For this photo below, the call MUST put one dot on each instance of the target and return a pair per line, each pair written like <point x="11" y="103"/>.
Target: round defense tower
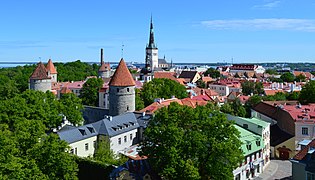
<point x="40" y="80"/>
<point x="121" y="91"/>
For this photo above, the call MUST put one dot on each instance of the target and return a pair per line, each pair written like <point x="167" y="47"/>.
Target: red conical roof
<point x="40" y="72"/>
<point x="122" y="76"/>
<point x="50" y="67"/>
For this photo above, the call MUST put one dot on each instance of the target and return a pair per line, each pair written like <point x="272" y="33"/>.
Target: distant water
<point x="7" y="64"/>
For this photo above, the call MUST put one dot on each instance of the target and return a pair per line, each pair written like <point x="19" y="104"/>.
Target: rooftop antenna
<point x="40" y="59"/>
<point x="122" y="50"/>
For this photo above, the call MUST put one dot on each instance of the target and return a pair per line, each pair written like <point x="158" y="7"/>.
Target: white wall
<point x="79" y="147"/>
<point x="298" y="131"/>
<point x="114" y="144"/>
<point x="222" y="90"/>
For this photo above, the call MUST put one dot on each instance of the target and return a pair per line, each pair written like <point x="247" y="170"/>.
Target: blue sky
<point x="185" y="31"/>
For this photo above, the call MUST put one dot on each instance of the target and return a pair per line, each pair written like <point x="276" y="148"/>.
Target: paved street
<point x="277" y="169"/>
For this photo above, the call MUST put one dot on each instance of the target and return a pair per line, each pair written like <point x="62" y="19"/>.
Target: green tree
<point x="271" y="71"/>
<point x="186" y="143"/>
<point x="105" y="155"/>
<point x="8" y="88"/>
<point x="71" y="106"/>
<point x="249" y="87"/>
<point x="300" y="78"/>
<point x="307" y="94"/>
<point x="234" y="108"/>
<point x="162" y="88"/>
<point x="52" y="158"/>
<point x="139" y="101"/>
<point x="212" y="73"/>
<point x="287" y="77"/>
<point x="293" y="95"/>
<point x="201" y="84"/>
<point x="89" y="91"/>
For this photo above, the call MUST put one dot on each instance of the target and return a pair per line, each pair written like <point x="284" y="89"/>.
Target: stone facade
<point x="121" y="99"/>
<point x="40" y="84"/>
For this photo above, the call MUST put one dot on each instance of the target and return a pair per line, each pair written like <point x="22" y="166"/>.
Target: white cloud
<point x="306" y="25"/>
<point x="268" y="5"/>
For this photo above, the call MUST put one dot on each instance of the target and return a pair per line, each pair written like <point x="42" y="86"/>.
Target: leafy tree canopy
<point x="271" y="71"/>
<point x="212" y="73"/>
<point x="89" y="91"/>
<point x="234" y="108"/>
<point x="139" y="101"/>
<point x="307" y="94"/>
<point x="249" y="87"/>
<point x="287" y="77"/>
<point x="161" y="88"/>
<point x="186" y="143"/>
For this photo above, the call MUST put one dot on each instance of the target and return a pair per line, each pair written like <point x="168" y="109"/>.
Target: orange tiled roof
<point x="163" y="103"/>
<point x="65" y="90"/>
<point x="50" y="67"/>
<point x="122" y="76"/>
<point x="167" y="75"/>
<point x="272" y="92"/>
<point x="40" y="72"/>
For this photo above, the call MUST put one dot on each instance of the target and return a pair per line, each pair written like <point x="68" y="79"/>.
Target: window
<point x="127" y="108"/>
<point x="125" y="139"/>
<point x="76" y="151"/>
<point x="304" y="131"/>
<point x="127" y="89"/>
<point x="104" y="95"/>
<point x="117" y="89"/>
<point x="86" y="146"/>
<point x="72" y="151"/>
<point x="130" y="136"/>
<point x="119" y="140"/>
<point x="258" y="143"/>
<point x="245" y="126"/>
<point x="249" y="146"/>
<point x="94" y="144"/>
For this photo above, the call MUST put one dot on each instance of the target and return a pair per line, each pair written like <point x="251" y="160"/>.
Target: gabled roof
<point x="50" y="67"/>
<point x="40" y="72"/>
<point x="278" y="136"/>
<point x="110" y="126"/>
<point x="188" y="74"/>
<point x="65" y="90"/>
<point x="302" y="154"/>
<point x="122" y="76"/>
<point x="104" y="67"/>
<point x="167" y="75"/>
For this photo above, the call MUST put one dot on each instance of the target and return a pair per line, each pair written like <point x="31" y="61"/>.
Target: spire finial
<point x="122" y="50"/>
<point x="102" y="57"/>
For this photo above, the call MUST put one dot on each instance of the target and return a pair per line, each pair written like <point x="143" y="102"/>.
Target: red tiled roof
<point x="65" y="90"/>
<point x="167" y="75"/>
<point x="207" y="79"/>
<point x="122" y="76"/>
<point x="50" y="67"/>
<point x="187" y="102"/>
<point x="301" y="155"/>
<point x="104" y="67"/>
<point x="272" y="92"/>
<point x="40" y="72"/>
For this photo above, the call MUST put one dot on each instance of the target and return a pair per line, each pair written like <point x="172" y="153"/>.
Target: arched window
<point x="127" y="89"/>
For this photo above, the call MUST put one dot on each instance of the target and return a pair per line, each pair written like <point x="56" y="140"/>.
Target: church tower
<point x="152" y="50"/>
<point x="121" y="91"/>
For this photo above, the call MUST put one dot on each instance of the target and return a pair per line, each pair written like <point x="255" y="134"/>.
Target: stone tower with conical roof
<point x="152" y="50"/>
<point x="40" y="80"/>
<point x="51" y="70"/>
<point x="104" y="70"/>
<point x="121" y="91"/>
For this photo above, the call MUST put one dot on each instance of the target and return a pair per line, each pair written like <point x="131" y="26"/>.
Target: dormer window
<point x="258" y="143"/>
<point x="249" y="147"/>
<point x="82" y="131"/>
<point x="245" y="126"/>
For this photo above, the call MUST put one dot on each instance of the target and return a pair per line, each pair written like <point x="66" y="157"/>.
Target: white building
<point x="120" y="131"/>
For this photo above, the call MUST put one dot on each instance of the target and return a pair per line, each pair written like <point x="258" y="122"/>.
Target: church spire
<point x="151" y="38"/>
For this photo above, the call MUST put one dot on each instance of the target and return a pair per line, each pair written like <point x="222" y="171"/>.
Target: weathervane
<point x="122" y="50"/>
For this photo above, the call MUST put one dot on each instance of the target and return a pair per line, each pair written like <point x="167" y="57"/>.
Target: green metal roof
<point x="247" y="138"/>
<point x="257" y="121"/>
